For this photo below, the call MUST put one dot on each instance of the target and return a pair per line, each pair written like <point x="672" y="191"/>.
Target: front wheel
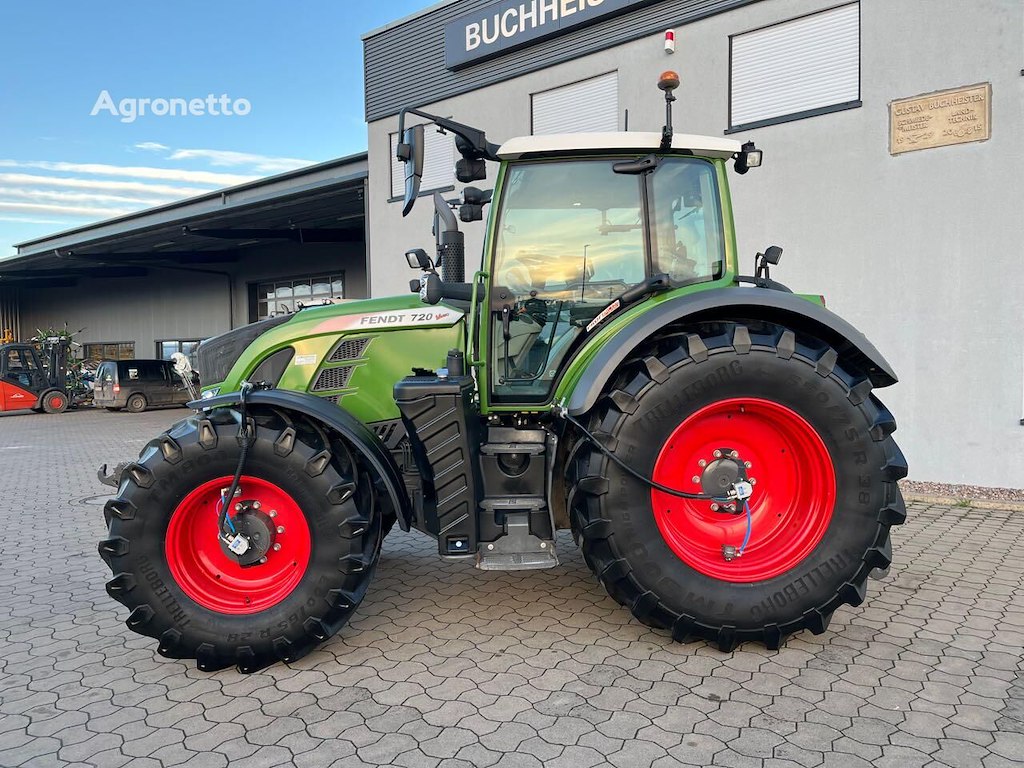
<point x="307" y="507"/>
<point x="55" y="402"/>
<point x="700" y="410"/>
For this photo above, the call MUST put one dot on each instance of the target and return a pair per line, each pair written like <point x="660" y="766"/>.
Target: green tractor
<point x="712" y="440"/>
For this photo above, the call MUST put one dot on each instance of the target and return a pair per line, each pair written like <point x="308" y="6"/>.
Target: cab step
<point x="518" y="549"/>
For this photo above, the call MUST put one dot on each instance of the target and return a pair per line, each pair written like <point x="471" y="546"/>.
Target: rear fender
<point x="732" y="303"/>
<point x="332" y="417"/>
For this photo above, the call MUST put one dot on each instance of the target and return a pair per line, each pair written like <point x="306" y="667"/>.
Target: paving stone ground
<point x="448" y="666"/>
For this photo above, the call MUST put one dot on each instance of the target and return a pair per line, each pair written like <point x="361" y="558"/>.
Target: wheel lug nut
<point x="238" y="507"/>
<point x="714" y="507"/>
<point x="263" y="560"/>
<point x="753" y="481"/>
<point x="735" y="454"/>
<point x="718" y="454"/>
<point x="747" y="464"/>
<point x="696" y="479"/>
<point x="256" y="505"/>
<point x="277" y="547"/>
<point x="702" y="463"/>
<point x="273" y="513"/>
<point x="280" y="529"/>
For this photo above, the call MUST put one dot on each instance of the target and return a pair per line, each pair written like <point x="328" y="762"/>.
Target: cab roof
<point x="619" y="141"/>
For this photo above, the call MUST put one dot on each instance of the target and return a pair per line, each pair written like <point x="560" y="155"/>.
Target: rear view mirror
<point x="410" y="152"/>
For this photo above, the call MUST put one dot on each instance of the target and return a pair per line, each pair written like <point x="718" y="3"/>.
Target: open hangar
<point x="159" y="281"/>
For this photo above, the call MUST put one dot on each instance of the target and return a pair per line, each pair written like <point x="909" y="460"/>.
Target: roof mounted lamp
<point x="668" y="82"/>
<point x="748" y="157"/>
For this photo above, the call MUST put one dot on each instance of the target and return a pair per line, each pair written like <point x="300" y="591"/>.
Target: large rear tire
<point x="183" y="587"/>
<point x="819" y="448"/>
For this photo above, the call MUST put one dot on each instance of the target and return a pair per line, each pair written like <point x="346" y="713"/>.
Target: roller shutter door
<point x="795" y="67"/>
<point x="589" y="105"/>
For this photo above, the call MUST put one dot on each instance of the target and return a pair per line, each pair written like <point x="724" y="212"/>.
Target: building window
<point x="587" y="106"/>
<point x="109" y="350"/>
<point x="438" y="163"/>
<point x="290" y="295"/>
<point x="164" y="349"/>
<point x="799" y="68"/>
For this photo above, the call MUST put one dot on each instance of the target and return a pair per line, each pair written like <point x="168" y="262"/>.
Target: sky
<point x="78" y="144"/>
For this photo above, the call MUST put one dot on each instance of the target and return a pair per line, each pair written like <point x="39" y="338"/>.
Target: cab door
<point x="21" y="378"/>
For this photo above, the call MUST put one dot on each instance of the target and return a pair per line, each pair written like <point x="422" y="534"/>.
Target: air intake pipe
<point x="451" y="243"/>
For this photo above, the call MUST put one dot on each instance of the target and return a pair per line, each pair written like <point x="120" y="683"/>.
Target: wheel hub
<point x="720" y="476"/>
<point x="718" y="448"/>
<point x="258" y="528"/>
<point x="278" y="553"/>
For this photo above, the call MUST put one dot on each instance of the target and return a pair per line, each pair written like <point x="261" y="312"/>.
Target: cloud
<point x="134" y="172"/>
<point x="92" y="212"/>
<point x="60" y="196"/>
<point x="30" y="193"/>
<point x="228" y="158"/>
<point x="131" y="187"/>
<point x="29" y="220"/>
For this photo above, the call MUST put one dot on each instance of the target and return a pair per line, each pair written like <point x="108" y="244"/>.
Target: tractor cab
<point x="582" y="228"/>
<point x="26" y="383"/>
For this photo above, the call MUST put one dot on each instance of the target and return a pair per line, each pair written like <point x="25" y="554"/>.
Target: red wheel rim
<point x="214" y="579"/>
<point x="56" y="402"/>
<point x="791" y="506"/>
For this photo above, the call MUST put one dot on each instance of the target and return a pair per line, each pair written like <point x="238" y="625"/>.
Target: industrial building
<point x="891" y="177"/>
<point x="915" y="240"/>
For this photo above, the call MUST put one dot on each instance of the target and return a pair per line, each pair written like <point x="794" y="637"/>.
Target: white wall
<point x="923" y="251"/>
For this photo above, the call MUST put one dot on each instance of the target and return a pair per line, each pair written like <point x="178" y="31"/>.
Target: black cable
<point x="563" y="413"/>
<point x="245" y="439"/>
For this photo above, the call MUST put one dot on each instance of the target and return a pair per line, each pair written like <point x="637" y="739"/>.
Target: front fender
<point x="786" y="309"/>
<point x="331" y="416"/>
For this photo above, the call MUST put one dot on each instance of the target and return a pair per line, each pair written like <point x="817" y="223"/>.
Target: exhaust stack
<point x="451" y="243"/>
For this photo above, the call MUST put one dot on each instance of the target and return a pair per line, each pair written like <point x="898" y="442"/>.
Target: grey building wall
<point x="421" y="42"/>
<point x="921" y="251"/>
<point x="177" y="305"/>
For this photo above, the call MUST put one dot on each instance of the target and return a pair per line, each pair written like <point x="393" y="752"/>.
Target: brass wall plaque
<point x="939" y="119"/>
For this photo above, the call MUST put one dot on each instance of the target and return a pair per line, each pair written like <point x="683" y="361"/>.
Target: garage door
<point x="587" y="105"/>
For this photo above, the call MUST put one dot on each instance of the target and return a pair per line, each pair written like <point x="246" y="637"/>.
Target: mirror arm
<point x="473" y="136"/>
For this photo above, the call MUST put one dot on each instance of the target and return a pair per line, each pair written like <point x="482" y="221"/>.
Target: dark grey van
<point x="137" y="385"/>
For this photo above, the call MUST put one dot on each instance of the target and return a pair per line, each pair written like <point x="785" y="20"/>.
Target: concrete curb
<point x="921" y="498"/>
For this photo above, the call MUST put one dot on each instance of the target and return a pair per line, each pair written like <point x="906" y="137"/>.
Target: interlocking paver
<point x="447" y="666"/>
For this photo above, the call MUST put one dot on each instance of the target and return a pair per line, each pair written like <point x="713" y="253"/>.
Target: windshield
<point x="572" y="236"/>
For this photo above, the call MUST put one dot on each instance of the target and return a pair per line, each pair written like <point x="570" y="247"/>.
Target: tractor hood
<point x="307" y="350"/>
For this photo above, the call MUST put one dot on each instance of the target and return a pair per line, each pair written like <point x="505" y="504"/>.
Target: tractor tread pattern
<point x="359" y="531"/>
<point x="586" y="481"/>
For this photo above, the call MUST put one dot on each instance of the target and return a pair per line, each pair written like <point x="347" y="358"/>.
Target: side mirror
<point x="410" y="152"/>
<point x="417" y="258"/>
<point x="772" y="254"/>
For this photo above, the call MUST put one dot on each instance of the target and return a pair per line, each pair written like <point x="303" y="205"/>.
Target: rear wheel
<point x="55" y="402"/>
<point x="701" y="409"/>
<point x="307" y="506"/>
<point x="136" y="403"/>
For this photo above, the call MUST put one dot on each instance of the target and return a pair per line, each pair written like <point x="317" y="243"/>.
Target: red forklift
<point x="26" y="383"/>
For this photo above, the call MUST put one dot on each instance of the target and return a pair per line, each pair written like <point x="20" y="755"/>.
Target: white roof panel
<point x="618" y="141"/>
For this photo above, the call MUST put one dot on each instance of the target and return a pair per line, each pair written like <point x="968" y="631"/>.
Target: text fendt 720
<point x="712" y="440"/>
